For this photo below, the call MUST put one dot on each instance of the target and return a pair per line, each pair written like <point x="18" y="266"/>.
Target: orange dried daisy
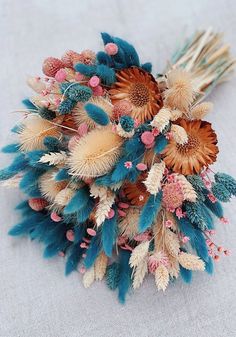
<point x="200" y="150"/>
<point x="136" y="193"/>
<point x="140" y="89"/>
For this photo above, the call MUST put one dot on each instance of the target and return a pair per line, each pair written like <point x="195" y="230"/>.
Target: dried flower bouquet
<point x="115" y="163"/>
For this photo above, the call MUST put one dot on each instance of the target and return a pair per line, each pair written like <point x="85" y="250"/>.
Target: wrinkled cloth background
<point x="36" y="300"/>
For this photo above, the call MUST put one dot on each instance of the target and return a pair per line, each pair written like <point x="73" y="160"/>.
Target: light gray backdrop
<point x="36" y="300"/>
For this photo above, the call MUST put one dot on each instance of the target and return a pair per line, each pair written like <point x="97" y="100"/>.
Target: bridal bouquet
<point x="115" y="163"/>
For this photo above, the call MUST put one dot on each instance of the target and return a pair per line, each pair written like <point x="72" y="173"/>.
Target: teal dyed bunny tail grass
<point x="115" y="164"/>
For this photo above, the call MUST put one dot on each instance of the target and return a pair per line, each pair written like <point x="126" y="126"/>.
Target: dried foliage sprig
<point x="54" y="158"/>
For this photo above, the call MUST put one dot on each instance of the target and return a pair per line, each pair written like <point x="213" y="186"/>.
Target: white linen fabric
<point x="36" y="300"/>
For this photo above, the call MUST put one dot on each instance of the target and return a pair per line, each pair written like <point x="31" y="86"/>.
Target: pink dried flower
<point x="121" y="108"/>
<point x="123" y="205"/>
<point x="121" y="213"/>
<point x="70" y="235"/>
<point x="141" y="167"/>
<point x="67" y="58"/>
<point x="98" y="91"/>
<point x="55" y="217"/>
<point x="157" y="259"/>
<point x="87" y="57"/>
<point x="207" y="183"/>
<point x="94" y="81"/>
<point x="51" y="65"/>
<point x="155" y="132"/>
<point x="220" y="249"/>
<point x="37" y="204"/>
<point x="111" y="48"/>
<point x="185" y="239"/>
<point x="128" y="164"/>
<point x="224" y="221"/>
<point x="179" y="213"/>
<point x="110" y="214"/>
<point x="216" y="257"/>
<point x="171" y="178"/>
<point x="169" y="223"/>
<point x="153" y="263"/>
<point x="212" y="198"/>
<point x="61" y="75"/>
<point x="147" y="138"/>
<point x="172" y="195"/>
<point x="91" y="231"/>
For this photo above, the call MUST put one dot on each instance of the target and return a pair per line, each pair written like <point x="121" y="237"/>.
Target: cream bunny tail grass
<point x="190" y="261"/>
<point x="179" y="134"/>
<point x="201" y="110"/>
<point x="161" y="120"/>
<point x="154" y="178"/>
